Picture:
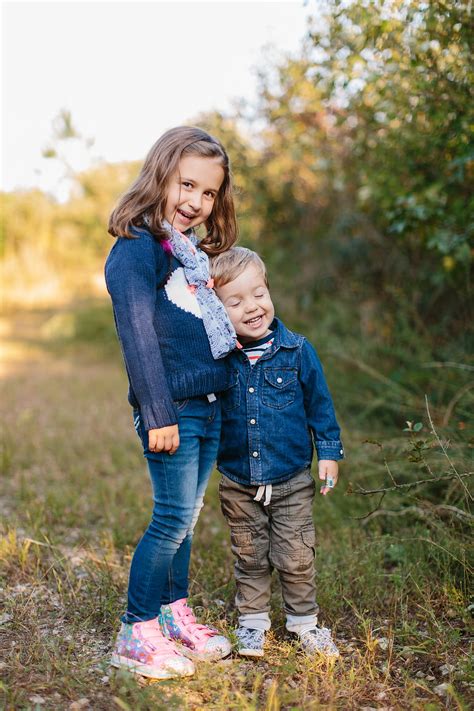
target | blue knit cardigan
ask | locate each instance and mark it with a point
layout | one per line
(160, 329)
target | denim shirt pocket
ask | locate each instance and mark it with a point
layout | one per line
(230, 398)
(279, 387)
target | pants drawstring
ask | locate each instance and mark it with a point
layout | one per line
(267, 488)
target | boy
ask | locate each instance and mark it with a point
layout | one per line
(278, 403)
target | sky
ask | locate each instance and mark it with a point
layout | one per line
(127, 71)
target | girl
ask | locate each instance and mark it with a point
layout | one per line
(174, 333)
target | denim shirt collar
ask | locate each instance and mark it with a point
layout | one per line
(282, 338)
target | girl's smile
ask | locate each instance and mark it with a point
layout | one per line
(192, 191)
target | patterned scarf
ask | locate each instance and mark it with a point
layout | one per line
(219, 329)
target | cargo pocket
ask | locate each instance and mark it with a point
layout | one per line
(295, 553)
(308, 545)
(243, 547)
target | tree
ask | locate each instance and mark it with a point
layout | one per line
(379, 110)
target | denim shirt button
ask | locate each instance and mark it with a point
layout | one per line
(251, 390)
(254, 454)
(252, 421)
(279, 380)
(341, 451)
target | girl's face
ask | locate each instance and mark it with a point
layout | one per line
(192, 191)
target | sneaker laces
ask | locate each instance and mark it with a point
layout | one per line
(185, 617)
(322, 633)
(248, 635)
(321, 638)
(153, 639)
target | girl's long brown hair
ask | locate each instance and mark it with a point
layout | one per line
(148, 194)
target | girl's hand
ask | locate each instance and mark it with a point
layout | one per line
(164, 439)
(328, 472)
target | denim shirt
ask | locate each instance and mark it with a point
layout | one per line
(273, 412)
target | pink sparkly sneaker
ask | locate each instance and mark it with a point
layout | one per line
(142, 648)
(200, 642)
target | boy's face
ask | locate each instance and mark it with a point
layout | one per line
(248, 303)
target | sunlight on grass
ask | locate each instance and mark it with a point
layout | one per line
(77, 497)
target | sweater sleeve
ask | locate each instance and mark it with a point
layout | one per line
(319, 406)
(131, 278)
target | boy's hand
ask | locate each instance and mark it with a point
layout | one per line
(164, 439)
(328, 472)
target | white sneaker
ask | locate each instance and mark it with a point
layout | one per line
(318, 641)
(250, 642)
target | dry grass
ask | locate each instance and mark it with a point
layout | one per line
(75, 498)
(47, 281)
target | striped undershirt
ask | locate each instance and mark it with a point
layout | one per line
(256, 349)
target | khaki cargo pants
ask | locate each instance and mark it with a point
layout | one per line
(278, 536)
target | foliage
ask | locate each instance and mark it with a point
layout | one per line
(245, 161)
(369, 153)
(354, 171)
(402, 74)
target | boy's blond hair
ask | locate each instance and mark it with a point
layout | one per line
(228, 265)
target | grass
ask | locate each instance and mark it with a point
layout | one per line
(75, 498)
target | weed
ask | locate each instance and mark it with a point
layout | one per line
(394, 588)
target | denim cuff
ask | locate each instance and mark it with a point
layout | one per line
(330, 450)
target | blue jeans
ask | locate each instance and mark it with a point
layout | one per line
(160, 565)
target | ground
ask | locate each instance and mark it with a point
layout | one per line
(75, 498)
